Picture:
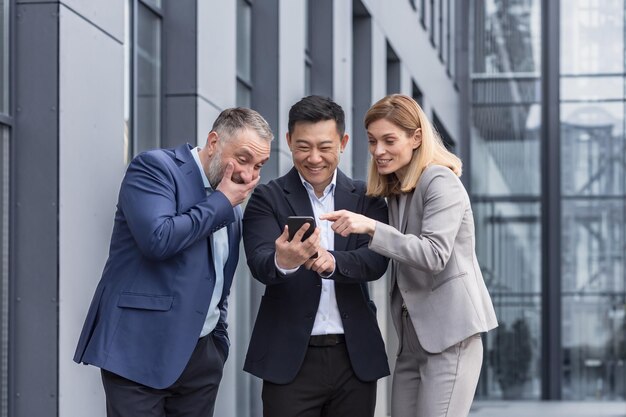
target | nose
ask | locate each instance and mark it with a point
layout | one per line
(247, 174)
(314, 157)
(379, 149)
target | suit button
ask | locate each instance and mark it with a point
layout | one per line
(309, 317)
(344, 315)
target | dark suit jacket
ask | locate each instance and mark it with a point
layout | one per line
(287, 312)
(150, 305)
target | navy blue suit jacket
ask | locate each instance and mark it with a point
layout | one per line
(287, 312)
(151, 302)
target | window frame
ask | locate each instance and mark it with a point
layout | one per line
(132, 67)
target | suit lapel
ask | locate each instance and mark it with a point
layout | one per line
(296, 194)
(189, 168)
(345, 199)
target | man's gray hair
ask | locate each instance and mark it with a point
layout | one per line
(232, 120)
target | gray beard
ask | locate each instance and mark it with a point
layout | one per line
(215, 170)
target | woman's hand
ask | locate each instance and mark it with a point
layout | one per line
(346, 222)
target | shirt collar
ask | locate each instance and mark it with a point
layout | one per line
(196, 157)
(330, 188)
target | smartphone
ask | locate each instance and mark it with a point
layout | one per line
(296, 222)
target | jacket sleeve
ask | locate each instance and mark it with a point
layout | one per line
(261, 228)
(444, 207)
(148, 203)
(362, 264)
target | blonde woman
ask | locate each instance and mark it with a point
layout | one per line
(439, 301)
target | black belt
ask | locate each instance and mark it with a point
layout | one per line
(323, 340)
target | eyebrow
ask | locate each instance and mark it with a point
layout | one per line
(384, 135)
(306, 142)
(247, 153)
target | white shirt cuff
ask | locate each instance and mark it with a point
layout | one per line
(285, 271)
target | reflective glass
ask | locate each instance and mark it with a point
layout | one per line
(244, 40)
(510, 36)
(594, 350)
(592, 37)
(4, 56)
(505, 150)
(592, 148)
(508, 245)
(505, 142)
(148, 73)
(601, 87)
(593, 170)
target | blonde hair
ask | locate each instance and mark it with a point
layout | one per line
(404, 112)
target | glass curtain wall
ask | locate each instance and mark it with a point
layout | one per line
(505, 71)
(593, 161)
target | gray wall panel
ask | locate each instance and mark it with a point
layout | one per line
(265, 81)
(34, 254)
(180, 43)
(321, 53)
(182, 115)
(90, 123)
(180, 73)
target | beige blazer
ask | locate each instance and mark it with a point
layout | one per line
(433, 262)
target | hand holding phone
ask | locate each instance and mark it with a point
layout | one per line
(294, 223)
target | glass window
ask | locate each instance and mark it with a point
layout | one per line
(4, 56)
(593, 170)
(508, 39)
(142, 76)
(506, 189)
(244, 53)
(508, 245)
(147, 116)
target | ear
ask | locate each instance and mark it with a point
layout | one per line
(211, 142)
(417, 138)
(288, 137)
(344, 142)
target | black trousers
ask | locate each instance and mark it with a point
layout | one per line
(324, 387)
(192, 395)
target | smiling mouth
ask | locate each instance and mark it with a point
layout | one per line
(383, 161)
(315, 169)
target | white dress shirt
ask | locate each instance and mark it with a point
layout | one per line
(219, 248)
(327, 318)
